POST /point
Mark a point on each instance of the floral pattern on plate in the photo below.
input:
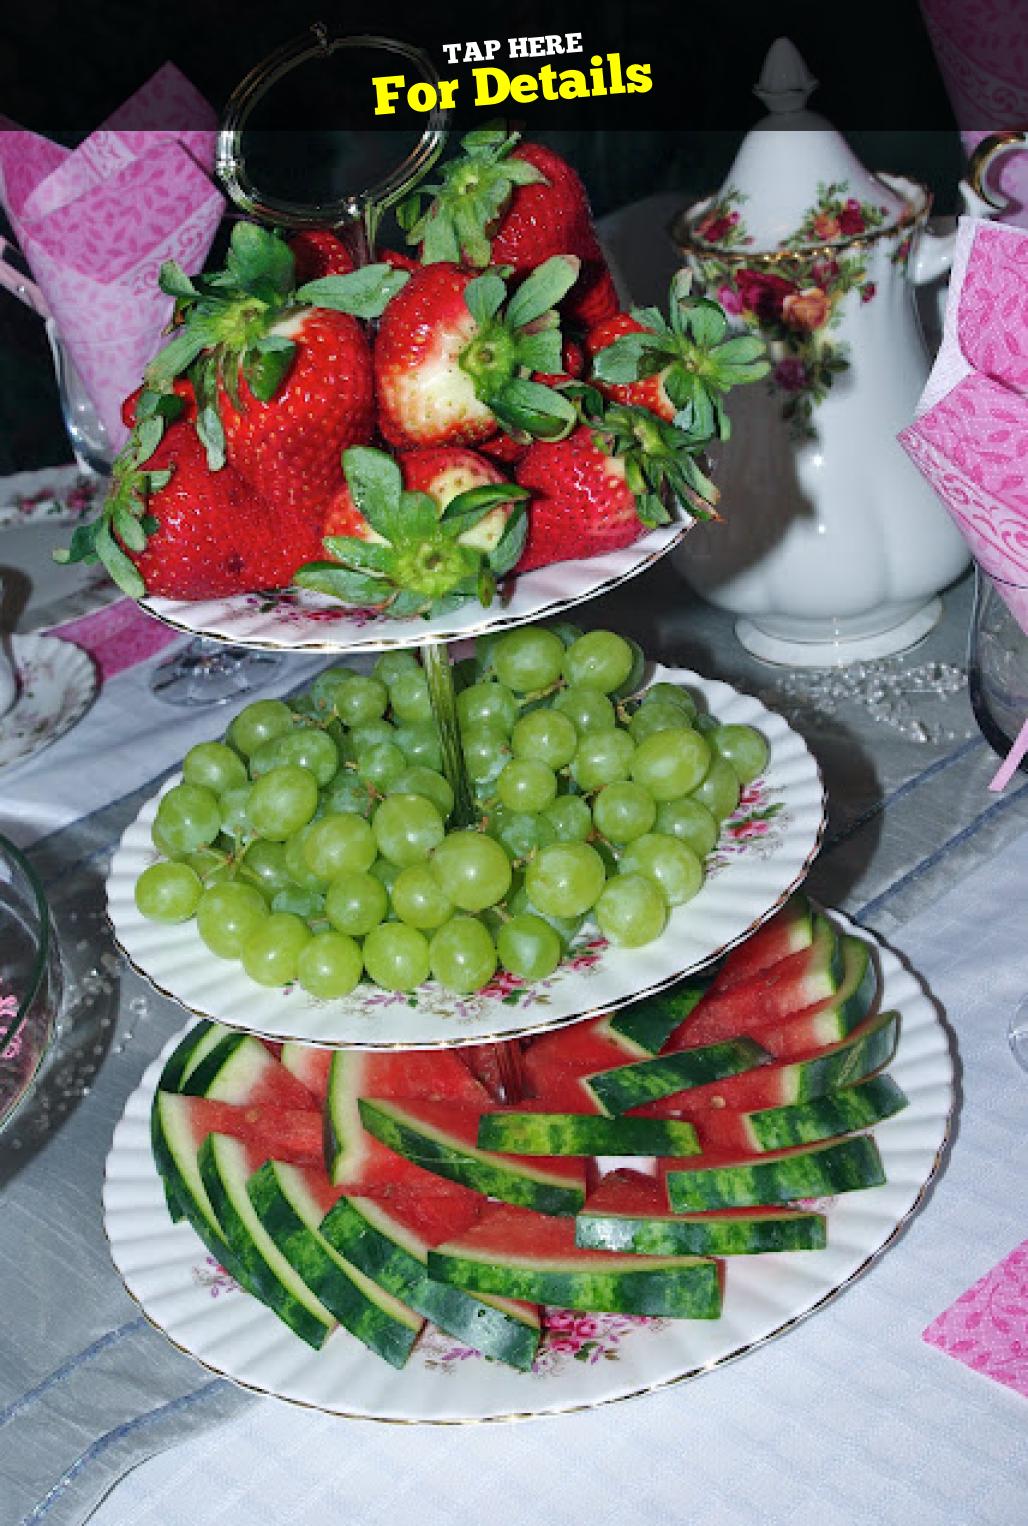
(57, 683)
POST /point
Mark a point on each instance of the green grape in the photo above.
(162, 844)
(529, 947)
(670, 763)
(519, 903)
(637, 672)
(528, 659)
(487, 704)
(330, 965)
(420, 745)
(227, 915)
(631, 911)
(623, 811)
(272, 951)
(339, 843)
(672, 866)
(407, 828)
(359, 699)
(601, 758)
(370, 735)
(565, 630)
(410, 699)
(546, 735)
(282, 801)
(356, 902)
(232, 805)
(744, 748)
(719, 791)
(472, 869)
(690, 821)
(323, 690)
(188, 818)
(348, 795)
(168, 892)
(295, 858)
(211, 865)
(425, 781)
(525, 784)
(308, 904)
(600, 660)
(258, 723)
(264, 865)
(570, 818)
(214, 766)
(522, 833)
(587, 709)
(462, 955)
(396, 956)
(660, 715)
(381, 764)
(387, 875)
(565, 879)
(391, 665)
(305, 747)
(417, 898)
(705, 723)
(670, 694)
(486, 750)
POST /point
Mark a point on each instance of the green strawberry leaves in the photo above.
(426, 561)
(364, 293)
(466, 204)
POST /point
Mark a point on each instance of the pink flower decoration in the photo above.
(730, 300)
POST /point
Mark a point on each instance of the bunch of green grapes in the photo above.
(314, 844)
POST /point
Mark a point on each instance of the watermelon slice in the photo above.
(538, 1133)
(555, 1063)
(247, 1063)
(629, 1212)
(649, 1024)
(828, 1021)
(442, 1138)
(827, 1117)
(787, 932)
(843, 1165)
(516, 1252)
(663, 1075)
(794, 983)
(867, 1049)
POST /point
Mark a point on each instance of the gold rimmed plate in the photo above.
(764, 852)
(585, 1360)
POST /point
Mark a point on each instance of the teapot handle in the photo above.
(933, 254)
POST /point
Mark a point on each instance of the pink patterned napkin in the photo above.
(987, 1327)
(96, 223)
(117, 637)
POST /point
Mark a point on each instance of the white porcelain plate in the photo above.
(585, 1360)
(57, 683)
(765, 850)
(295, 620)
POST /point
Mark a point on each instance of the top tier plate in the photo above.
(297, 621)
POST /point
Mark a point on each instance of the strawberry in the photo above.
(679, 367)
(282, 373)
(172, 527)
(450, 359)
(317, 252)
(413, 552)
(513, 205)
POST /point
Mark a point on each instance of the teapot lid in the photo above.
(795, 181)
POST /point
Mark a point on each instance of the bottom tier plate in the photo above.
(586, 1360)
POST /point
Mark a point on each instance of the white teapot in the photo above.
(832, 548)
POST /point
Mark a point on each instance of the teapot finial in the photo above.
(785, 81)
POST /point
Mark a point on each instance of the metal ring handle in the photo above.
(988, 151)
(231, 164)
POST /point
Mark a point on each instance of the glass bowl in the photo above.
(30, 980)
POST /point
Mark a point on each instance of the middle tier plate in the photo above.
(764, 852)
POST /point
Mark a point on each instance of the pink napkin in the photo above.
(96, 223)
(987, 1327)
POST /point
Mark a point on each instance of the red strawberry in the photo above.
(649, 391)
(172, 527)
(582, 504)
(514, 206)
(443, 472)
(398, 261)
(449, 361)
(318, 252)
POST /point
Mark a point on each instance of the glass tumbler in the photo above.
(997, 659)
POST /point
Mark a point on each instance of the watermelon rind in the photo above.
(647, 1025)
(839, 1112)
(701, 1234)
(585, 1134)
(432, 1148)
(290, 1215)
(224, 1171)
(787, 932)
(228, 1071)
(201, 1038)
(669, 1287)
(845, 1165)
(627, 1086)
(368, 1235)
(176, 1158)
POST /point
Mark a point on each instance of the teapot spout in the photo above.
(932, 255)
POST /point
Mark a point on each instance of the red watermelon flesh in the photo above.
(555, 1064)
(461, 1124)
(788, 932)
(275, 1087)
(788, 987)
(630, 1192)
(274, 1133)
(394, 1073)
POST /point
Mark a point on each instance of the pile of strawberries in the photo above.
(405, 434)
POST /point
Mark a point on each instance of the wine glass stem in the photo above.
(436, 662)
